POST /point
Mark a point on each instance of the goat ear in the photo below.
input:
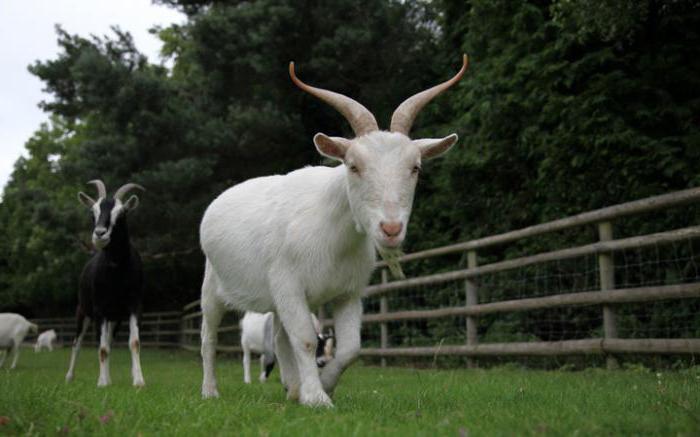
(132, 203)
(432, 147)
(331, 147)
(85, 199)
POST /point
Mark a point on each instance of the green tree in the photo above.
(225, 113)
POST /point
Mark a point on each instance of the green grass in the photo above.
(369, 401)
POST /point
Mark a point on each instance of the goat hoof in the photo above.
(139, 383)
(210, 393)
(292, 393)
(319, 399)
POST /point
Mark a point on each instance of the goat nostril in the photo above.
(391, 229)
(100, 231)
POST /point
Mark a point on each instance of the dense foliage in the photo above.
(568, 105)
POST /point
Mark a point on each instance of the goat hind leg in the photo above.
(246, 365)
(135, 346)
(267, 358)
(82, 325)
(212, 313)
(265, 367)
(107, 328)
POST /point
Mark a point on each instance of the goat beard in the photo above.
(391, 256)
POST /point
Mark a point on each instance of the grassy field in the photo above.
(34, 400)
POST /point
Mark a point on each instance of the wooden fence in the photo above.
(181, 329)
(158, 329)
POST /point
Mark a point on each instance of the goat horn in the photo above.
(101, 189)
(361, 120)
(405, 114)
(126, 188)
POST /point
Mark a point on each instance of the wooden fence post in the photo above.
(182, 328)
(472, 298)
(383, 309)
(606, 267)
(158, 327)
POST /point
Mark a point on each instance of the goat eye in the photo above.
(416, 169)
(354, 169)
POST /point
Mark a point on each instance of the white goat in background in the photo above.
(291, 243)
(13, 329)
(257, 335)
(45, 341)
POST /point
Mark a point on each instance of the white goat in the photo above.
(13, 329)
(257, 335)
(45, 340)
(291, 243)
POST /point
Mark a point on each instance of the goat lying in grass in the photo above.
(13, 329)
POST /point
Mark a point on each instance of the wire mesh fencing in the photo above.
(582, 297)
(611, 286)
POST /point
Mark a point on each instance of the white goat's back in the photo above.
(13, 329)
(46, 338)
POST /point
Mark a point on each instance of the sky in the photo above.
(27, 34)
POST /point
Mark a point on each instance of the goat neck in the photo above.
(119, 246)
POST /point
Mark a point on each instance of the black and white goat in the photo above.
(111, 281)
(258, 336)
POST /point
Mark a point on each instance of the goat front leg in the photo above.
(294, 314)
(246, 364)
(289, 374)
(15, 353)
(135, 346)
(106, 331)
(347, 315)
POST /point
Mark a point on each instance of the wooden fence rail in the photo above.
(558, 255)
(568, 347)
(181, 328)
